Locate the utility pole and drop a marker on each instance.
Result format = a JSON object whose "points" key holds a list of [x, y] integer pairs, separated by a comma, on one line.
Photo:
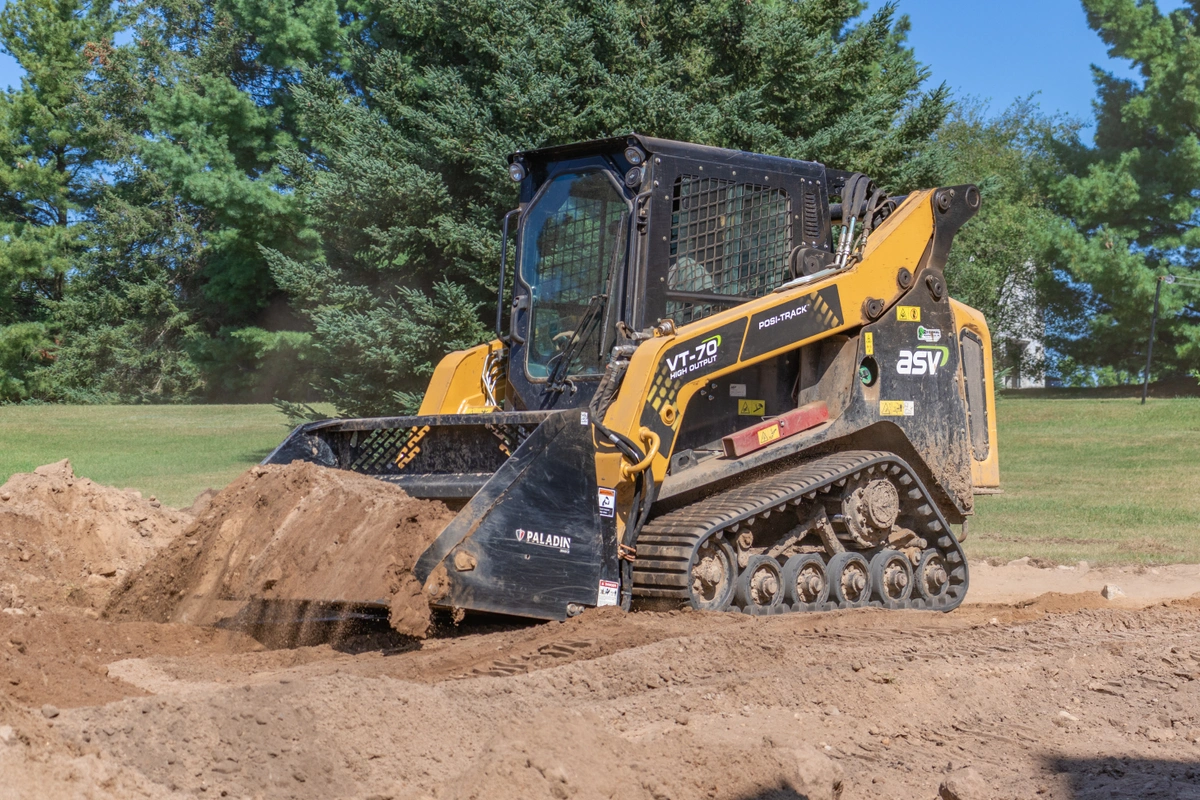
{"points": [[1153, 322]]}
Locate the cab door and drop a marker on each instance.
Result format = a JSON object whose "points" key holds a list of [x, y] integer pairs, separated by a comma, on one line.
{"points": [[573, 247]]}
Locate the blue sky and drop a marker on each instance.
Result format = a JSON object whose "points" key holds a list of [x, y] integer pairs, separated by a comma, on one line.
{"points": [[996, 50], [1002, 50]]}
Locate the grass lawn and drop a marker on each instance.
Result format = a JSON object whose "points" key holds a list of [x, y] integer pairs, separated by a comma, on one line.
{"points": [[1103, 481], [1106, 481], [173, 452]]}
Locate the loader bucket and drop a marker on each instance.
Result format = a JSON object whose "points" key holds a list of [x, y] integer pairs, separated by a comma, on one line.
{"points": [[446, 457], [530, 540]]}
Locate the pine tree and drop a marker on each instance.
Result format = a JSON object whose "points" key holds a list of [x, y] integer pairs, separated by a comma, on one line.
{"points": [[123, 328], [1133, 201], [47, 158], [172, 299], [405, 177]]}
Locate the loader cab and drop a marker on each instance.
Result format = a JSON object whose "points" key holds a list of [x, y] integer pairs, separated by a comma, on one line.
{"points": [[636, 230]]}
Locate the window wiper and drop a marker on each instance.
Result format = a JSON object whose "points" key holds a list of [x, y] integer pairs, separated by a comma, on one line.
{"points": [[583, 331]]}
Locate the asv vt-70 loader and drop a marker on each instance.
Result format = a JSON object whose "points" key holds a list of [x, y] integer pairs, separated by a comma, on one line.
{"points": [[719, 387]]}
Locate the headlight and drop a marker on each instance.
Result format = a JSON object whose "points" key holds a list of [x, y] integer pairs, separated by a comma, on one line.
{"points": [[634, 155], [516, 171], [633, 178]]}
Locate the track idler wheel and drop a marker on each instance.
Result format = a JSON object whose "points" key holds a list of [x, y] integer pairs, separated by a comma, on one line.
{"points": [[712, 574], [891, 578], [760, 586], [932, 578], [850, 580], [805, 582]]}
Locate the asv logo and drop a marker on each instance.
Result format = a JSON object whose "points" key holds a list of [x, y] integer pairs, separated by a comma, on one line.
{"points": [[926, 360]]}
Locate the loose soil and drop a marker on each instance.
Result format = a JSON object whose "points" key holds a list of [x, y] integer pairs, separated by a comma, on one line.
{"points": [[1039, 685], [69, 541], [290, 536]]}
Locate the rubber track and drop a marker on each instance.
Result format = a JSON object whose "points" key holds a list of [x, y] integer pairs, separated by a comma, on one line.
{"points": [[666, 544]]}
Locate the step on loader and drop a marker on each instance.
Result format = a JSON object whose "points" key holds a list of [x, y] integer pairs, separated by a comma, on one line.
{"points": [[724, 380]]}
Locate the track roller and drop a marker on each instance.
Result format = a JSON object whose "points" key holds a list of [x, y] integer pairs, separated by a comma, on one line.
{"points": [[760, 586], [932, 580], [849, 580], [891, 578], [805, 582]]}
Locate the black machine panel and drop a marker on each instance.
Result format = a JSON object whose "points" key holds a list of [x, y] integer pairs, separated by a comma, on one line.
{"points": [[914, 355], [807, 316], [684, 363], [735, 401]]}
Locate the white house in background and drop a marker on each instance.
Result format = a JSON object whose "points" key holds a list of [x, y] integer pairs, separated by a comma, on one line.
{"points": [[1018, 338], [1023, 356]]}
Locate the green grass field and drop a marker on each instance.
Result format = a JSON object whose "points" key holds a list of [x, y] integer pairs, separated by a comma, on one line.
{"points": [[173, 452], [1103, 481], [1106, 481]]}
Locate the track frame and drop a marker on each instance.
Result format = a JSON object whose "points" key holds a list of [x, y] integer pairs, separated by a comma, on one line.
{"points": [[667, 543]]}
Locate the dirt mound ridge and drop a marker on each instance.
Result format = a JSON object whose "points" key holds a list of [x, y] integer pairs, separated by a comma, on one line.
{"points": [[541, 759], [68, 541], [291, 533]]}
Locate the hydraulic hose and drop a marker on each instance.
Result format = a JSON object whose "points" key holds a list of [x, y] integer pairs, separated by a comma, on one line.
{"points": [[644, 492]]}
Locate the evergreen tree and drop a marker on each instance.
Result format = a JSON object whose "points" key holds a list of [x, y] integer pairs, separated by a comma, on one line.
{"points": [[123, 328], [47, 160], [1001, 261], [173, 300], [1133, 201], [406, 176], [203, 95]]}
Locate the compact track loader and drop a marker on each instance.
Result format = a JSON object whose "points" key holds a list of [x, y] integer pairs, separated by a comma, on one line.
{"points": [[728, 380]]}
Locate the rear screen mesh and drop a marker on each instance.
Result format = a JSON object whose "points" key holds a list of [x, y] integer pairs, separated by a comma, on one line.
{"points": [[727, 238]]}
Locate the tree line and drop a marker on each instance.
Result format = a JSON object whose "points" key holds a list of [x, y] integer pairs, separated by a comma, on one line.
{"points": [[246, 200]]}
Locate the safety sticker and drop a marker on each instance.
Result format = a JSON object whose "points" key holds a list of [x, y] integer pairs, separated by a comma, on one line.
{"points": [[608, 501], [908, 313], [583, 418], [737, 390], [609, 594], [752, 408], [768, 434], [869, 343], [897, 408]]}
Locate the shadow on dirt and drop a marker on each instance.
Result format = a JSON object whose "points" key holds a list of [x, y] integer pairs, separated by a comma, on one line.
{"points": [[350, 628], [1096, 778], [346, 627]]}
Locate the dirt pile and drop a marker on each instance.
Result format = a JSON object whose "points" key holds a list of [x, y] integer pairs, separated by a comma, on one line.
{"points": [[68, 541], [541, 759], [38, 764], [1087, 704], [287, 535]]}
